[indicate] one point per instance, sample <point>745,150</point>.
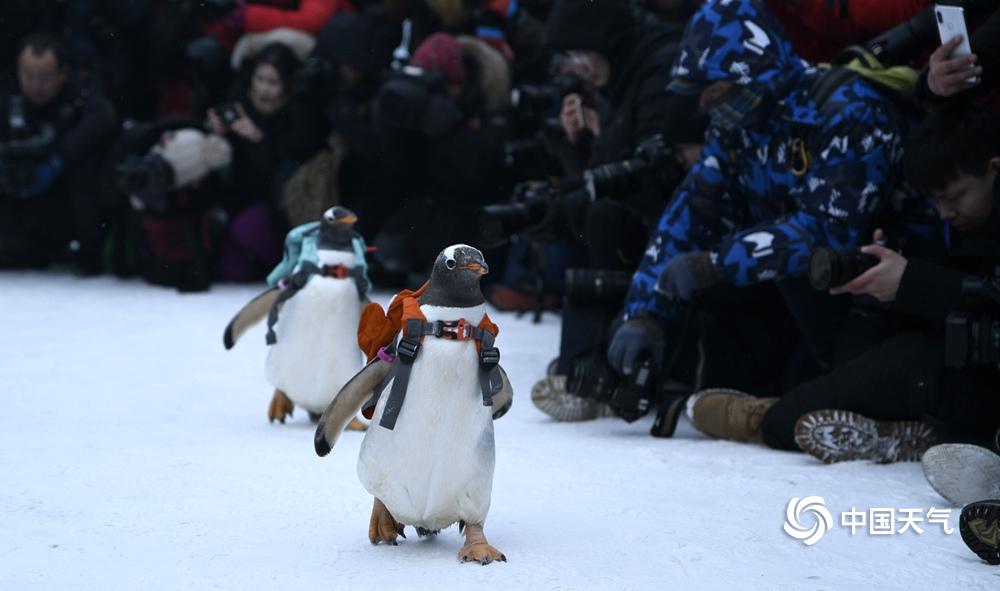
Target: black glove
<point>635,338</point>
<point>685,274</point>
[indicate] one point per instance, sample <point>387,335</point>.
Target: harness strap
<point>490,379</point>
<point>292,284</point>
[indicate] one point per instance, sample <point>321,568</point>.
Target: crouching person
<point>895,400</point>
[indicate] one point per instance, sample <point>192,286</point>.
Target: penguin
<point>314,352</point>
<point>434,466</point>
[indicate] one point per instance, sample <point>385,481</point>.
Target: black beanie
<point>594,25</point>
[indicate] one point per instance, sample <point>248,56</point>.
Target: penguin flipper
<point>250,314</point>
<point>347,403</point>
<point>503,399</point>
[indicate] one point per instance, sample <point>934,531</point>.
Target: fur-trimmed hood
<point>494,73</point>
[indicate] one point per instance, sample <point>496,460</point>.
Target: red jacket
<point>819,29</point>
<point>309,17</point>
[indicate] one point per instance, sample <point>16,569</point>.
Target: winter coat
<point>309,17</point>
<point>82,117</point>
<point>742,202</point>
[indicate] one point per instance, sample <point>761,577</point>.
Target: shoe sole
<point>979,525</point>
<point>962,473</point>
<point>549,396</point>
<point>844,436</point>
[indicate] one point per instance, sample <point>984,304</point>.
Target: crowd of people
<point>775,216</point>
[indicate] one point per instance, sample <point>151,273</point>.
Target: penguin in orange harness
<point>428,456</point>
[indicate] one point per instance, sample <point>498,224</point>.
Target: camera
<point>630,398</point>
<point>653,157</point>
<point>527,208</point>
<point>973,338</point>
<point>228,114</point>
<point>829,267</point>
<point>27,147</point>
<point>597,286</point>
<point>146,179</point>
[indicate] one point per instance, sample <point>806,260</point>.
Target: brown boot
<point>729,414</point>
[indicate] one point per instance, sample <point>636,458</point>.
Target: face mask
<point>734,111</point>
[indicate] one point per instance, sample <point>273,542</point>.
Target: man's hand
<point>635,338</point>
<point>947,77</point>
<point>685,274</point>
<point>575,118</point>
<point>882,280</point>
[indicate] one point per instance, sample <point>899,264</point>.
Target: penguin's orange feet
<point>356,425</point>
<point>382,527</point>
<point>280,407</point>
<point>477,549</point>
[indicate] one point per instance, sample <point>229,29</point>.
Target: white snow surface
<point>135,453</point>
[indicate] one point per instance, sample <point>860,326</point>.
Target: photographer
<point>54,124</point>
<point>780,174</point>
<point>441,130</point>
<point>270,131</point>
<point>944,375</point>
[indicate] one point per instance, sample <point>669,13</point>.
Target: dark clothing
<point>904,377</point>
<point>39,226</point>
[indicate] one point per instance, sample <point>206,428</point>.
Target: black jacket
<point>83,119</point>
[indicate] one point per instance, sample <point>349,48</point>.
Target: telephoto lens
<point>829,267</point>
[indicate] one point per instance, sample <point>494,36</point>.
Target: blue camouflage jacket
<point>742,202</point>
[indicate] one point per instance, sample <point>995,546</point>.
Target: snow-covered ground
<point>135,453</point>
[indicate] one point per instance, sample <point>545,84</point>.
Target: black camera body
<point>146,180</point>
<point>973,338</point>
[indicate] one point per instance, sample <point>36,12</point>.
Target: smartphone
<point>951,22</point>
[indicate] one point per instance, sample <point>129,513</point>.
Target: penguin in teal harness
<point>312,309</point>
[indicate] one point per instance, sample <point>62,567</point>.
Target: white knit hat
<point>192,154</point>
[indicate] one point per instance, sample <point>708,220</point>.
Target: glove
<point>685,274</point>
<point>635,338</point>
<point>44,177</point>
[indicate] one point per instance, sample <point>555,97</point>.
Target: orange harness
<point>378,329</point>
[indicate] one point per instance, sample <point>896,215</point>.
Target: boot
<point>841,436</point>
<point>729,414</point>
<point>980,527</point>
<point>962,473</point>
<point>549,395</point>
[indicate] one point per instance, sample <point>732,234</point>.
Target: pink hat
<point>443,53</point>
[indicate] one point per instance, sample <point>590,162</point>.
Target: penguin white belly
<point>317,348</point>
<point>436,466</point>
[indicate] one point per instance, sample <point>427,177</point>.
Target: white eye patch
<point>328,215</point>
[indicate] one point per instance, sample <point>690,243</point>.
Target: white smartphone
<point>951,22</point>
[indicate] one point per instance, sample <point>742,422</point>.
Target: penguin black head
<point>455,278</point>
<point>336,229</point>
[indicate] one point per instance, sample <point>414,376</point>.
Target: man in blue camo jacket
<point>778,176</point>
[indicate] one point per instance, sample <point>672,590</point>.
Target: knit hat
<point>192,154</point>
<point>443,53</point>
<point>588,25</point>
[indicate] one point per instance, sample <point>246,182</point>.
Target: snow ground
<point>135,454</point>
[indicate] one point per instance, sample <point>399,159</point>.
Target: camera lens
<point>822,268</point>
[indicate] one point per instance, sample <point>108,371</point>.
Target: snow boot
<point>729,414</point>
<point>980,528</point>
<point>842,436</point>
<point>549,395</point>
<point>963,473</point>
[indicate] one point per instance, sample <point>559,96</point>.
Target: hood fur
<point>495,73</point>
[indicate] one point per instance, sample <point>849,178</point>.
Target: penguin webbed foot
<point>383,528</point>
<point>280,408</point>
<point>477,548</point>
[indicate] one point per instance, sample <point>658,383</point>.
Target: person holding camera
<point>938,381</point>
<point>782,172</point>
<point>54,123</point>
<point>270,132</point>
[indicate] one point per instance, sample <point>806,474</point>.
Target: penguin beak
<point>350,219</point>
<point>480,268</point>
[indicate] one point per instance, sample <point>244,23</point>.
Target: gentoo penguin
<point>428,457</point>
<point>315,314</point>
